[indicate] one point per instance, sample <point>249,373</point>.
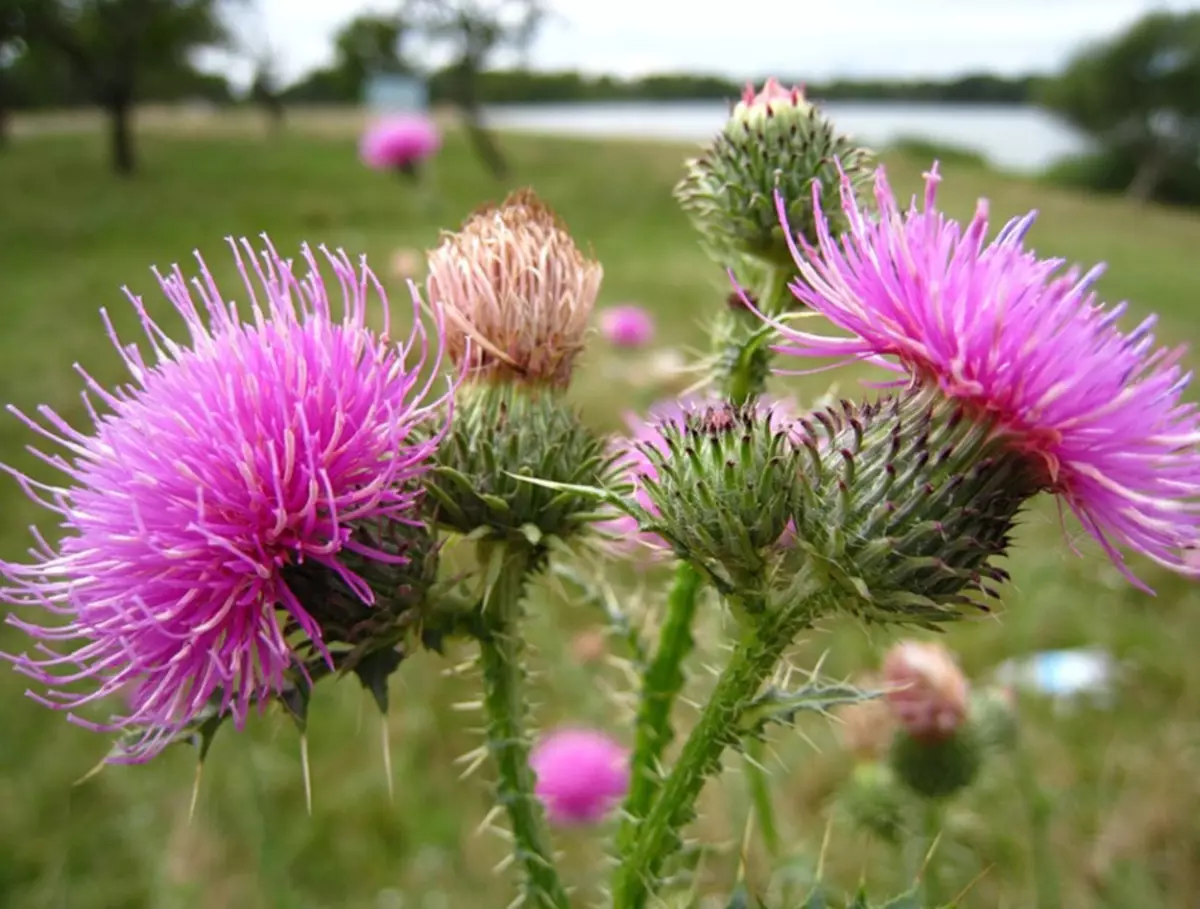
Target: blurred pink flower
<point>928,692</point>
<point>627,326</point>
<point>399,142</point>
<point>581,775</point>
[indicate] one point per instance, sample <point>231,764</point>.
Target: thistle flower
<point>217,468</point>
<point>648,442</point>
<point>774,140</point>
<point>627,326</point>
<point>1023,349</point>
<point>399,143</point>
<point>927,691</point>
<point>514,286</point>
<point>581,775</point>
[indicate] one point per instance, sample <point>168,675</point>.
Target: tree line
<point>1137,93</point>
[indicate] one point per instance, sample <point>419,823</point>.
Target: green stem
<point>1045,877</point>
<point>500,645</point>
<point>752,357</point>
<point>660,687</point>
<point>760,796</point>
<point>658,837</point>
<point>931,827</point>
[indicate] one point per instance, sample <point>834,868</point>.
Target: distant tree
<point>1138,96</point>
<point>11,46</point>
<point>474,31</point>
<point>266,91</point>
<point>115,47</point>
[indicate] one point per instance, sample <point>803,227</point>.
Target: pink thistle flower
<point>219,465</point>
<point>581,775</point>
<point>635,464</point>
<point>399,142</point>
<point>772,96</point>
<point>927,691</point>
<point>627,325</point>
<point>1024,347</point>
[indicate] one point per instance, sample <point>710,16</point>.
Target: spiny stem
<point>753,659</point>
<point>661,685</point>
<point>931,829</point>
<point>500,646</point>
<point>751,356</point>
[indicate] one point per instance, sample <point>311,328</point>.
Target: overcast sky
<point>811,39</point>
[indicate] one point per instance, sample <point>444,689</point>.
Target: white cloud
<point>803,38</point>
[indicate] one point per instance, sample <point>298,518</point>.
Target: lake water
<point>1014,138</point>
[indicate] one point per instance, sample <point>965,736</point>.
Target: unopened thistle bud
<point>502,434</point>
<point>993,712</point>
<point>935,751</point>
<point>516,291</point>
<point>722,485</point>
<point>904,505</point>
<point>873,800</point>
<point>774,140</point>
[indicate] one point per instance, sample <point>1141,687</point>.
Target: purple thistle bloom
<point>581,774</point>
<point>627,325</point>
<point>218,466</point>
<point>1024,346</point>
<point>399,142</point>
<point>646,433</point>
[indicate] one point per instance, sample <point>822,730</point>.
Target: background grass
<point>1125,780</point>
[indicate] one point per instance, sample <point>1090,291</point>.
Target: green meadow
<point>1121,781</point>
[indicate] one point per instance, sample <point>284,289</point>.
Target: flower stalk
<point>758,651</point>
<point>500,646</point>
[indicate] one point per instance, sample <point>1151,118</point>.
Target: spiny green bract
<point>725,488</point>
<point>729,190</point>
<point>904,505</point>
<point>500,434</point>
<point>937,768</point>
<point>873,800</point>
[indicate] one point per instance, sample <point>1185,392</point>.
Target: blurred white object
<point>1064,675</point>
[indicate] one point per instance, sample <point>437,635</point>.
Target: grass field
<point>1124,780</point>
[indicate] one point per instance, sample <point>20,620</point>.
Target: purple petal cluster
<point>645,434</point>
<point>1024,345</point>
<point>220,463</point>
<point>581,775</point>
<point>399,142</point>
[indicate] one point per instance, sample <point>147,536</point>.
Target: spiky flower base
<point>500,434</point>
<point>904,505</point>
<point>723,489</point>
<point>729,190</point>
<point>937,768</point>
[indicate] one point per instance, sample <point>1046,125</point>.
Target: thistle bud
<point>904,504</point>
<point>501,434</point>
<point>927,692</point>
<point>774,140</point>
<point>993,712</point>
<point>873,800</point>
<point>516,291</point>
<point>721,480</point>
<point>937,768</point>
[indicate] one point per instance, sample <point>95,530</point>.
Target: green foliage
<point>1137,95</point>
<point>1114,170</point>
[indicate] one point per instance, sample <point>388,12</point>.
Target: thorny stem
<point>500,646</point>
<point>752,357</point>
<point>755,656</point>
<point>661,685</point>
<point>760,796</point>
<point>932,818</point>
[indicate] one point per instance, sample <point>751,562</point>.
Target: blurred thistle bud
<point>904,504</point>
<point>774,140</point>
<point>873,800</point>
<point>935,751</point>
<point>720,483</point>
<point>866,727</point>
<point>926,691</point>
<point>501,434</point>
<point>582,774</point>
<point>993,713</point>
<point>516,291</point>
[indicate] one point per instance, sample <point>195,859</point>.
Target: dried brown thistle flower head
<point>516,291</point>
<point>866,727</point>
<point>928,693</point>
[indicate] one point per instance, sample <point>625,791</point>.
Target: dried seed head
<point>517,293</point>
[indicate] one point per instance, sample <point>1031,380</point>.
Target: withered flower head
<point>517,293</point>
